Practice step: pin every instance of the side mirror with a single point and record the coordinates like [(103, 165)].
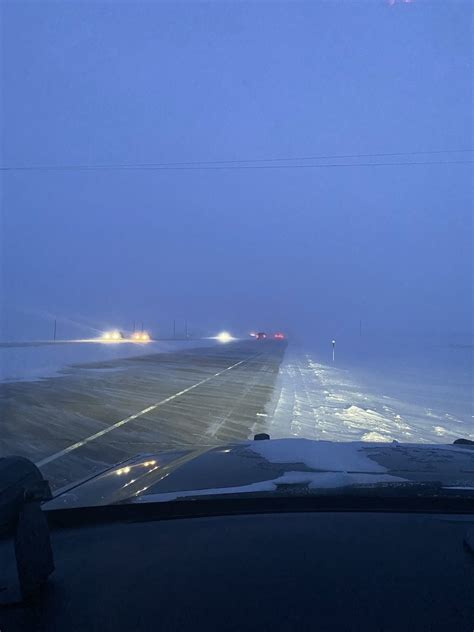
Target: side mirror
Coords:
[(22, 489)]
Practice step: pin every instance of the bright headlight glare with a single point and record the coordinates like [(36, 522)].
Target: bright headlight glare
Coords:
[(224, 336)]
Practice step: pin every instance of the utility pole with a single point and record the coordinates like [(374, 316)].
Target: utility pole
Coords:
[(174, 329), (142, 329), (333, 350), (133, 326), (54, 334)]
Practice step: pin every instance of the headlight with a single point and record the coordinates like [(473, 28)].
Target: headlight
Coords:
[(224, 336)]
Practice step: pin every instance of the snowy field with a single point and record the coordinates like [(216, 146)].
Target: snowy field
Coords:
[(361, 398), (37, 362)]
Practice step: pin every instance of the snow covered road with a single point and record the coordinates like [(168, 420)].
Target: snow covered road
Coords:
[(319, 401)]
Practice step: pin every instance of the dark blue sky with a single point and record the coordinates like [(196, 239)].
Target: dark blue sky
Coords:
[(298, 249)]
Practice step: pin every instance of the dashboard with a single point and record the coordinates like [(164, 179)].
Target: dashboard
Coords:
[(282, 571)]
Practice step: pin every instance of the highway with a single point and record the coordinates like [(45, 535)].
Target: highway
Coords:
[(102, 413)]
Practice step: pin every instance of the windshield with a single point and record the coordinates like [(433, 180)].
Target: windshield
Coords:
[(236, 247)]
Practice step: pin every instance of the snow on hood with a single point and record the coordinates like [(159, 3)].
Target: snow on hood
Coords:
[(270, 466), (314, 480), (340, 465), (318, 455)]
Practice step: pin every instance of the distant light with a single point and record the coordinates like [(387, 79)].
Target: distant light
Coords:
[(253, 334), (333, 342), (112, 335), (141, 336), (224, 336)]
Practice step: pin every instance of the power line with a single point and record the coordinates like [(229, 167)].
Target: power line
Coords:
[(326, 157), (301, 158), (235, 167), (237, 164)]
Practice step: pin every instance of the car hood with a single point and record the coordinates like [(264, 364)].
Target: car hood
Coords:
[(288, 466)]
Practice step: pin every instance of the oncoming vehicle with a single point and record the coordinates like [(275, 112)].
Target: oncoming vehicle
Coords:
[(141, 336), (113, 336), (261, 335)]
